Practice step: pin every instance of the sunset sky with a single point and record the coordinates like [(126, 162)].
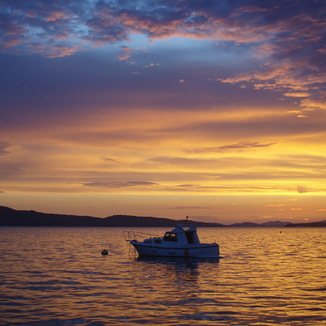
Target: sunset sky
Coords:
[(213, 109)]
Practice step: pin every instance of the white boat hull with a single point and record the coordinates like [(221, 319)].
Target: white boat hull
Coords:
[(204, 250)]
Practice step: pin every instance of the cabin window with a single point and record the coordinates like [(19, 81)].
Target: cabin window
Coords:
[(190, 237), (170, 237), (158, 241)]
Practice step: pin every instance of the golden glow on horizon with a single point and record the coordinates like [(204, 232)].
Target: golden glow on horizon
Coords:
[(202, 207), (116, 154)]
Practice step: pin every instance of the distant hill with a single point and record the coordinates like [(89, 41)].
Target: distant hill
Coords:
[(311, 224), (12, 217), (245, 225), (266, 224)]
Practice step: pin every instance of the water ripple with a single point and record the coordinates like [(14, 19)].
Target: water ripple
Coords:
[(266, 278)]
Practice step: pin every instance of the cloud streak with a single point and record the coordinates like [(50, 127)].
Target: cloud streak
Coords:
[(4, 146), (243, 145), (119, 184)]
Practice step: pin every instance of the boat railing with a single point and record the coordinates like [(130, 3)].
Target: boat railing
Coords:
[(135, 235)]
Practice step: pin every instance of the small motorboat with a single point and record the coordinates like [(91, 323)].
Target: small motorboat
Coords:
[(182, 241)]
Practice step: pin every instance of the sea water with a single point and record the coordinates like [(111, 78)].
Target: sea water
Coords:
[(57, 276)]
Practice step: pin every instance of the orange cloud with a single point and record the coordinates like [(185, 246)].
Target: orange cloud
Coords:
[(313, 104), (297, 94), (275, 205), (57, 15), (127, 53)]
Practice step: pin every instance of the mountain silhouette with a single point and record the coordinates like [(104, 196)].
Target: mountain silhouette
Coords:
[(12, 217)]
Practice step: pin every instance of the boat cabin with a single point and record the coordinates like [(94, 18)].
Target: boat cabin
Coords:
[(182, 234)]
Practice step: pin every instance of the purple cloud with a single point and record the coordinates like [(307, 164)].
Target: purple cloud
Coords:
[(238, 146), (119, 184), (286, 40), (4, 147), (106, 22), (190, 207), (302, 189)]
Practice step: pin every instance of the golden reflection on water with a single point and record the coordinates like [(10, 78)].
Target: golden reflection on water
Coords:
[(57, 276)]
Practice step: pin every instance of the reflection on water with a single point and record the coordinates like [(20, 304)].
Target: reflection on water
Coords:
[(182, 262), (57, 276)]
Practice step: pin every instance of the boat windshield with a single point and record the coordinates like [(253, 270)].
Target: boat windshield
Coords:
[(190, 237), (169, 236)]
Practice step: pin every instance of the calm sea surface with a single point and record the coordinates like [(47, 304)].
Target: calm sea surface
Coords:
[(57, 276)]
